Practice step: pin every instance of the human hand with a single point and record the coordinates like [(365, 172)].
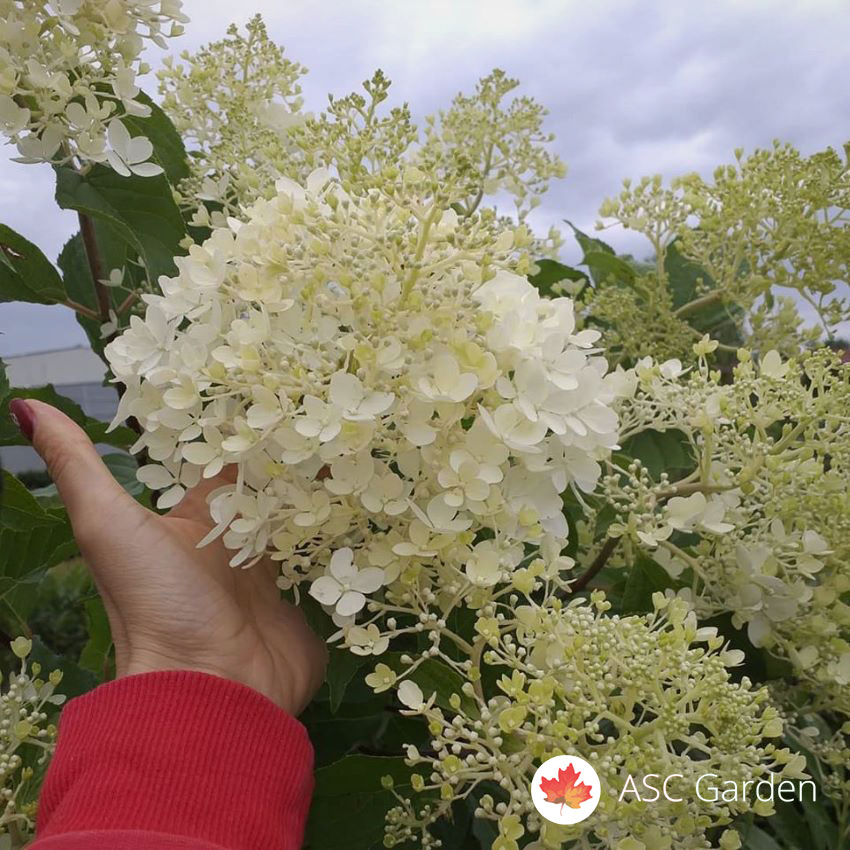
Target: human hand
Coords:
[(172, 606)]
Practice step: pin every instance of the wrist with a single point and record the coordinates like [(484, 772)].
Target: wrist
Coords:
[(148, 661)]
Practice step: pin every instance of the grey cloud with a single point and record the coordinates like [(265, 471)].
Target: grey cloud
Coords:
[(632, 87)]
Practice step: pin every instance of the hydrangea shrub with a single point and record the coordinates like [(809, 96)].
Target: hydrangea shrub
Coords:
[(535, 509)]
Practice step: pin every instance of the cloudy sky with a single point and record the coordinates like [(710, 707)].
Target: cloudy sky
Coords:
[(633, 87)]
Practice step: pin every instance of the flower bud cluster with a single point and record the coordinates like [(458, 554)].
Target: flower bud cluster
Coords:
[(772, 219), (238, 103), (26, 737), (235, 102), (633, 695)]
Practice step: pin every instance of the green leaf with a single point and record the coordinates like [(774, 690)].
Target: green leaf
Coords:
[(117, 248), (25, 273), (793, 828), (96, 654), (342, 667), (484, 830), (601, 260), (687, 281), (605, 267), (660, 451), (19, 509), (360, 773), (75, 680), (551, 272), (115, 253), (821, 827), (590, 243), (32, 538), (334, 737), (121, 437), (140, 210), (758, 839), (685, 276), (349, 802), (434, 677), (645, 578), (123, 468)]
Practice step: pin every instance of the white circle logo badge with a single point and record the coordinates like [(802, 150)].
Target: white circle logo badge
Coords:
[(565, 790)]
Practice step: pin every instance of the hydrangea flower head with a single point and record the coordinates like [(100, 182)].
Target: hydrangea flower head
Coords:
[(391, 390)]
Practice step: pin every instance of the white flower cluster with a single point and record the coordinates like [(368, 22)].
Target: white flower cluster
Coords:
[(68, 73), (760, 525), (395, 398)]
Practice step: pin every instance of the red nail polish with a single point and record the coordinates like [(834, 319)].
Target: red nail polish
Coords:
[(22, 416)]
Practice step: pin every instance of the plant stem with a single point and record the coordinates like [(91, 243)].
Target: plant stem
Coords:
[(81, 308), (599, 561), (697, 304), (420, 251), (126, 303), (477, 652), (95, 265), (689, 488)]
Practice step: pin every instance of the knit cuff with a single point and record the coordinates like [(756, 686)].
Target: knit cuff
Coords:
[(184, 754)]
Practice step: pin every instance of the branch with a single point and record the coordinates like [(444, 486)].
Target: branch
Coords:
[(95, 265), (599, 561), (80, 308), (126, 303)]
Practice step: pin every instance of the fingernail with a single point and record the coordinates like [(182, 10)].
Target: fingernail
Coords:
[(22, 416)]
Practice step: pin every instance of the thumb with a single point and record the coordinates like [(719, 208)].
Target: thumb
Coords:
[(84, 483)]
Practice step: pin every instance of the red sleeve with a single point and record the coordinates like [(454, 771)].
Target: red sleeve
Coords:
[(176, 761)]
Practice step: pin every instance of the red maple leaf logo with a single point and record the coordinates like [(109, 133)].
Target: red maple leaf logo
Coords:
[(566, 789)]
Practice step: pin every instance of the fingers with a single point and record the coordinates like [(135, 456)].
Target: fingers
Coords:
[(84, 483)]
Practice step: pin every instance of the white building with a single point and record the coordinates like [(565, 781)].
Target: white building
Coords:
[(77, 373)]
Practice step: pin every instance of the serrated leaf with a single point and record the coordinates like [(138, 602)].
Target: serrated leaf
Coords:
[(141, 211), (19, 509), (115, 253), (605, 267), (601, 260), (590, 243), (25, 273), (687, 281), (551, 272), (26, 555)]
